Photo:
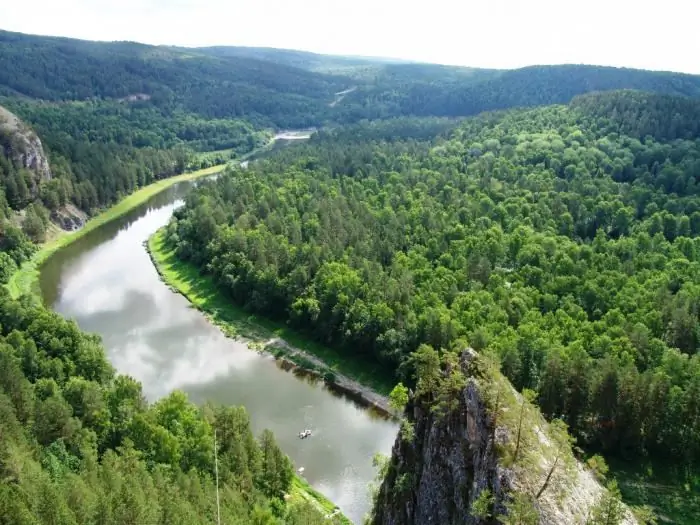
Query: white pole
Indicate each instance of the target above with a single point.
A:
(216, 470)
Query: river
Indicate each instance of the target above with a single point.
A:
(107, 283)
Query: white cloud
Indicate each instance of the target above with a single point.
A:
(496, 33)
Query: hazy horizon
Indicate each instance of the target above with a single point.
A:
(504, 34)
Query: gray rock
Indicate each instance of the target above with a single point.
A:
(23, 146)
(436, 477)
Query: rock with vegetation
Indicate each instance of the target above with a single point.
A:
(479, 453)
(23, 146)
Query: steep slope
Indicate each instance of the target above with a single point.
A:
(467, 460)
(24, 170)
(22, 145)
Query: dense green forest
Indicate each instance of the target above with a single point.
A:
(210, 86)
(88, 172)
(283, 88)
(102, 151)
(81, 445)
(121, 115)
(421, 90)
(564, 241)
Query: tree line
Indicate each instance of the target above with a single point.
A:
(81, 445)
(555, 240)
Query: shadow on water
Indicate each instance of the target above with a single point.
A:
(334, 389)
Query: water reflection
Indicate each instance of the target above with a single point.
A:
(107, 283)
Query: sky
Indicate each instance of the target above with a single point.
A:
(489, 33)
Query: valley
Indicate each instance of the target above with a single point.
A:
(468, 290)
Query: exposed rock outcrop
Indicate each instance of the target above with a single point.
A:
(69, 218)
(436, 475)
(22, 145)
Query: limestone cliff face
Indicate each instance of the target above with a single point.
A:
(435, 477)
(22, 145)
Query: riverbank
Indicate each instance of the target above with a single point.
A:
(25, 280)
(301, 490)
(366, 385)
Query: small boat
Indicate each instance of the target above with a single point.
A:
(306, 433)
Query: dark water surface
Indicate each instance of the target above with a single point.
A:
(106, 282)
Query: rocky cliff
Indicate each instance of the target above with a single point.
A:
(448, 458)
(22, 145)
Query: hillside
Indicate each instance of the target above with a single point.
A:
(300, 59)
(285, 88)
(553, 240)
(80, 165)
(24, 170)
(472, 451)
(210, 86)
(547, 217)
(461, 91)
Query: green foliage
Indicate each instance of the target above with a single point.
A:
(164, 78)
(398, 398)
(81, 445)
(598, 466)
(645, 515)
(520, 510)
(407, 431)
(95, 157)
(609, 509)
(546, 238)
(402, 484)
(276, 475)
(450, 386)
(482, 507)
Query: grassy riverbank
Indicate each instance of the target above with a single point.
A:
(25, 280)
(301, 490)
(277, 338)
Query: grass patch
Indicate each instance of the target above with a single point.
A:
(204, 295)
(25, 280)
(302, 490)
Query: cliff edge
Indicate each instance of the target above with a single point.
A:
(482, 454)
(23, 146)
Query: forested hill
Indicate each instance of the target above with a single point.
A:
(301, 59)
(284, 88)
(80, 444)
(66, 69)
(553, 239)
(476, 91)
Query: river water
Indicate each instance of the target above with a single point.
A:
(107, 283)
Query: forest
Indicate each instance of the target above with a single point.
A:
(100, 152)
(429, 90)
(121, 115)
(562, 241)
(283, 88)
(81, 445)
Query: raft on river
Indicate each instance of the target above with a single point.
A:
(306, 433)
